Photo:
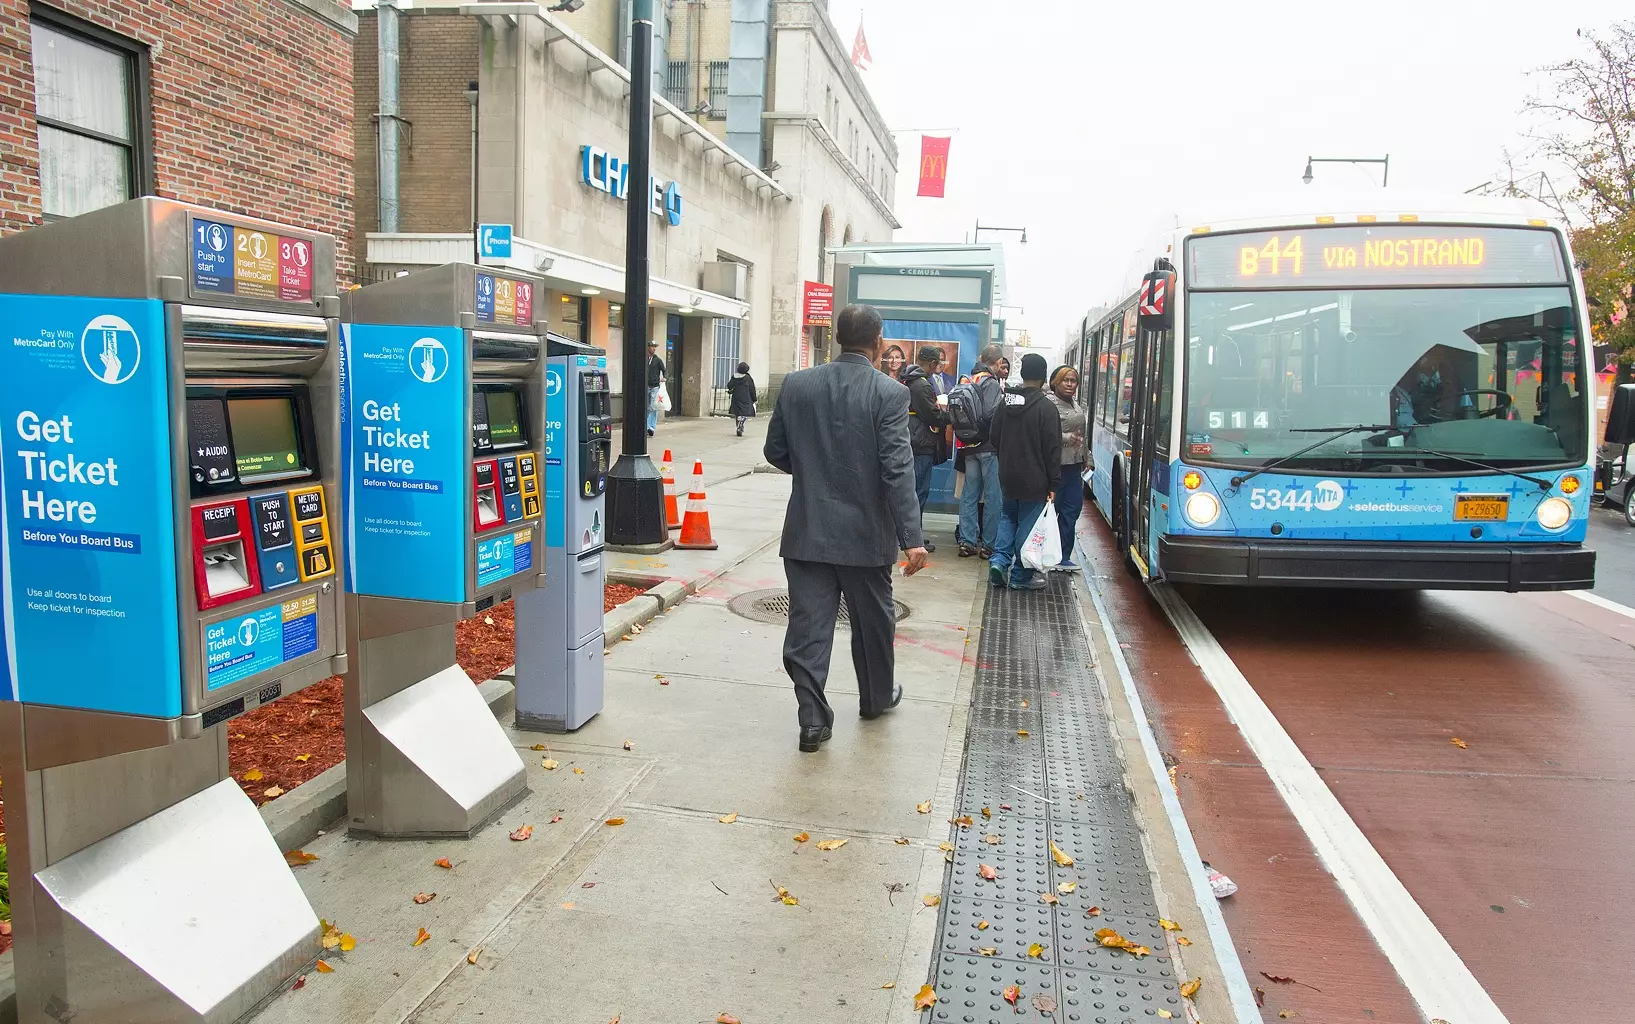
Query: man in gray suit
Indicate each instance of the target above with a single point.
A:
(841, 430)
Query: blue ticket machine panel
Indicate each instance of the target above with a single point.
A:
(442, 437)
(167, 461)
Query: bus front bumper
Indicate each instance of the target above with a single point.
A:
(1370, 565)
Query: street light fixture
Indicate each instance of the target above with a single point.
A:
(1383, 160)
(981, 227)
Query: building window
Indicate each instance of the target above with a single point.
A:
(675, 85)
(718, 88)
(728, 338)
(90, 93)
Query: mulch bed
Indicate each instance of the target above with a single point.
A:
(5, 939)
(272, 738)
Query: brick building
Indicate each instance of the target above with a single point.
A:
(246, 107)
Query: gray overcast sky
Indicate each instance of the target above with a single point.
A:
(1086, 121)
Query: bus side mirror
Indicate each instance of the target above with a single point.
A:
(1621, 415)
(1154, 308)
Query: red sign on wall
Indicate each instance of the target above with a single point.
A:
(820, 304)
(933, 166)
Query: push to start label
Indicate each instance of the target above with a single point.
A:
(89, 536)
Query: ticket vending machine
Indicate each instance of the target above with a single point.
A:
(168, 452)
(443, 513)
(559, 628)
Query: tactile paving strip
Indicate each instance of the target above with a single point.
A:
(1060, 784)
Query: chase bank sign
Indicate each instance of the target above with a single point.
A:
(605, 172)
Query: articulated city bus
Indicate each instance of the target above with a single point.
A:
(1374, 392)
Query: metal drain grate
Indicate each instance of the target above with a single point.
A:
(773, 606)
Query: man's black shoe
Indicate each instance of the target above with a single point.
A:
(896, 699)
(930, 548)
(814, 737)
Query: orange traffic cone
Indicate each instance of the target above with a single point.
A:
(695, 528)
(672, 513)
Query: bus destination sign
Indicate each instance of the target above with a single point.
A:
(1389, 254)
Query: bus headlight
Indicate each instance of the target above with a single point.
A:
(1204, 508)
(1553, 513)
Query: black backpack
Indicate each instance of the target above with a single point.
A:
(971, 406)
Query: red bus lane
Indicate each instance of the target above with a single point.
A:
(1516, 841)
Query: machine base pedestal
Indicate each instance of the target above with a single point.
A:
(439, 765)
(188, 915)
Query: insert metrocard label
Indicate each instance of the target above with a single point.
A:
(234, 260)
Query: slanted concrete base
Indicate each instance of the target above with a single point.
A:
(643, 549)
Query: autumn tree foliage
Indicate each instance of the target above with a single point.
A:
(1587, 119)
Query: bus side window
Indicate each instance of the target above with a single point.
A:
(1087, 371)
(1109, 375)
(1166, 389)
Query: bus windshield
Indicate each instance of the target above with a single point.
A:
(1486, 373)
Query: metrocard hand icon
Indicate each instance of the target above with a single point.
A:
(428, 366)
(110, 357)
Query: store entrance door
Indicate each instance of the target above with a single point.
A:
(674, 360)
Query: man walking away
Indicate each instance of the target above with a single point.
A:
(971, 405)
(841, 430)
(1027, 435)
(927, 416)
(655, 380)
(742, 389)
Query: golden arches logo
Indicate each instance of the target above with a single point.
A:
(934, 165)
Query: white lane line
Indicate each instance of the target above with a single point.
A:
(1601, 602)
(1226, 953)
(1432, 972)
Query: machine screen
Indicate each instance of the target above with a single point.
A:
(504, 419)
(264, 438)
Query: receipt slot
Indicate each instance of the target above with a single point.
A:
(559, 628)
(168, 453)
(441, 419)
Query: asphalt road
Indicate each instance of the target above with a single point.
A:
(1614, 544)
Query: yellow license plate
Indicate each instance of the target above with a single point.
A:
(1481, 506)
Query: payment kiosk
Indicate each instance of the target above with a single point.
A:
(441, 421)
(168, 450)
(559, 628)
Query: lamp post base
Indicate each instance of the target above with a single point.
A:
(635, 507)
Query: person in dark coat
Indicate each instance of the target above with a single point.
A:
(742, 389)
(1027, 436)
(927, 420)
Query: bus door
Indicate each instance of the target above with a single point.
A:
(1154, 321)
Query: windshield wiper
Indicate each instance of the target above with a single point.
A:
(1337, 432)
(1538, 482)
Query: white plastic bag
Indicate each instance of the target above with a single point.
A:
(664, 399)
(1044, 544)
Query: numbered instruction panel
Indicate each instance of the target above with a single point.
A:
(89, 528)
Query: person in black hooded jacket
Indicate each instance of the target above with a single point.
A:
(1027, 436)
(742, 389)
(927, 420)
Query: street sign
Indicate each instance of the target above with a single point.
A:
(494, 241)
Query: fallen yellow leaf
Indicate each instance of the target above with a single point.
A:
(1113, 940)
(789, 899)
(831, 844)
(924, 807)
(1461, 744)
(1168, 925)
(273, 792)
(1165, 1013)
(348, 942)
(522, 833)
(1067, 887)
(253, 775)
(931, 899)
(902, 840)
(549, 764)
(1012, 993)
(727, 1018)
(471, 958)
(1093, 912)
(303, 758)
(538, 746)
(332, 935)
(925, 998)
(988, 950)
(1287, 1014)
(1036, 950)
(629, 745)
(987, 871)
(1024, 703)
(1190, 989)
(424, 897)
(488, 620)
(579, 771)
(1138, 951)
(1021, 732)
(946, 847)
(1062, 859)
(964, 821)
(1182, 940)
(421, 939)
(991, 839)
(1049, 897)
(986, 813)
(801, 837)
(982, 925)
(728, 819)
(296, 858)
(442, 862)
(889, 984)
(324, 968)
(614, 822)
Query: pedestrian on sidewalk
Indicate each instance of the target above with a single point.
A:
(841, 430)
(742, 389)
(1027, 435)
(927, 416)
(655, 381)
(971, 405)
(1064, 395)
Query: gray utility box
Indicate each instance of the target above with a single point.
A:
(559, 627)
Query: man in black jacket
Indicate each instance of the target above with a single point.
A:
(1027, 435)
(655, 380)
(927, 421)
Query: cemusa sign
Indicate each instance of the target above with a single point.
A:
(605, 172)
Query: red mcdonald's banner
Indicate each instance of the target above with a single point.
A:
(933, 165)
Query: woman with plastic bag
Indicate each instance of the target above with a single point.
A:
(1069, 500)
(1027, 436)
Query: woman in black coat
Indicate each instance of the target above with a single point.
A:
(742, 390)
